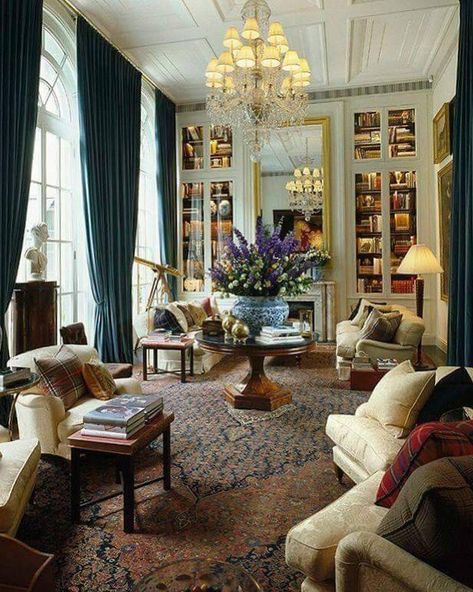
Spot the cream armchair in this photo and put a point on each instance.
(337, 550)
(44, 417)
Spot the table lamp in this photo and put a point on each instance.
(419, 260)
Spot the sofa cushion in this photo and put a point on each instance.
(381, 327)
(346, 343)
(165, 319)
(426, 443)
(184, 308)
(433, 517)
(198, 313)
(311, 544)
(453, 390)
(409, 331)
(62, 376)
(363, 439)
(99, 381)
(365, 308)
(398, 397)
(346, 327)
(74, 417)
(18, 465)
(180, 316)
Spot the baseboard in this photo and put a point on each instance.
(429, 339)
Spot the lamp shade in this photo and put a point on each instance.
(245, 57)
(271, 57)
(225, 63)
(251, 29)
(232, 39)
(276, 33)
(283, 46)
(419, 261)
(291, 61)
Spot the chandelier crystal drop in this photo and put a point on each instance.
(258, 83)
(306, 189)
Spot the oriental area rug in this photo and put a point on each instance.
(239, 483)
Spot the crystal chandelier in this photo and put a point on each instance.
(306, 190)
(257, 85)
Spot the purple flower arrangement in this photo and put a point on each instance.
(272, 266)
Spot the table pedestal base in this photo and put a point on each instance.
(257, 391)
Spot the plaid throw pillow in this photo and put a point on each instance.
(99, 381)
(164, 319)
(381, 327)
(425, 443)
(61, 376)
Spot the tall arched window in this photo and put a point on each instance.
(147, 243)
(55, 193)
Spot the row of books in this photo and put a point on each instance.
(401, 201)
(369, 182)
(122, 416)
(372, 266)
(367, 119)
(369, 286)
(402, 286)
(283, 334)
(362, 363)
(386, 363)
(372, 223)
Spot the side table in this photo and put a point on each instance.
(154, 345)
(15, 390)
(123, 452)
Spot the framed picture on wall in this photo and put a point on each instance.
(442, 133)
(308, 233)
(445, 186)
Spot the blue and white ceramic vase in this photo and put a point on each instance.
(261, 311)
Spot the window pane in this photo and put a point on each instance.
(47, 71)
(62, 100)
(52, 105)
(36, 170)
(66, 161)
(52, 159)
(66, 216)
(52, 253)
(33, 215)
(52, 211)
(67, 267)
(67, 309)
(53, 47)
(44, 90)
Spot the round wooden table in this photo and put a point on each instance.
(256, 390)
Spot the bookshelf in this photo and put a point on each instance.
(367, 135)
(402, 133)
(221, 216)
(192, 146)
(221, 147)
(193, 236)
(369, 233)
(403, 225)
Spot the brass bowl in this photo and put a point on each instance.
(240, 331)
(227, 324)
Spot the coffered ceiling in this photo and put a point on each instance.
(347, 42)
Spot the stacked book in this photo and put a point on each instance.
(361, 363)
(122, 416)
(11, 378)
(284, 334)
(386, 363)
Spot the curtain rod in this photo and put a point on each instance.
(75, 12)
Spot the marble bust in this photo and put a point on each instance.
(38, 260)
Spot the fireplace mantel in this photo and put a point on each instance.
(322, 298)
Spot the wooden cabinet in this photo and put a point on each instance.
(34, 315)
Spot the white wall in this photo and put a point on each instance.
(443, 92)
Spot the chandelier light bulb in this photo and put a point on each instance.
(270, 57)
(251, 29)
(306, 172)
(232, 39)
(297, 173)
(291, 61)
(276, 33)
(225, 63)
(246, 57)
(316, 173)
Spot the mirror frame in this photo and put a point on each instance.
(324, 121)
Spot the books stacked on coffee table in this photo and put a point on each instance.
(122, 416)
(12, 378)
(284, 335)
(361, 363)
(386, 363)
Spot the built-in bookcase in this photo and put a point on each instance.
(384, 198)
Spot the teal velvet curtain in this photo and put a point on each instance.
(460, 305)
(166, 179)
(109, 90)
(20, 54)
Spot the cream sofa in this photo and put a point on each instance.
(18, 466)
(361, 444)
(44, 417)
(170, 360)
(337, 549)
(403, 346)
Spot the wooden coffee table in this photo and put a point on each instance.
(257, 390)
(154, 345)
(123, 453)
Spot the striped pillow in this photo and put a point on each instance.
(61, 376)
(99, 381)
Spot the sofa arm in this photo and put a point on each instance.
(129, 386)
(365, 562)
(38, 417)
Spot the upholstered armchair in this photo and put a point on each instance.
(44, 417)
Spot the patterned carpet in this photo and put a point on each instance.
(238, 486)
